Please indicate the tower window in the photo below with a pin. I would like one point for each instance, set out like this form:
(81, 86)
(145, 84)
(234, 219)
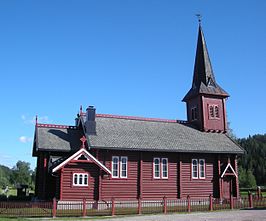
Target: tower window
(211, 110)
(194, 113)
(214, 112)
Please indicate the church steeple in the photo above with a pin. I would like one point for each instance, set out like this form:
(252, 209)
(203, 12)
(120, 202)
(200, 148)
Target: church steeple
(203, 78)
(206, 99)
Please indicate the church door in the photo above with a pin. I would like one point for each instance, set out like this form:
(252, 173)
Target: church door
(227, 187)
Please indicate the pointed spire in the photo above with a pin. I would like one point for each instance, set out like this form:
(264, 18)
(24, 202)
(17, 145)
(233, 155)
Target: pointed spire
(203, 78)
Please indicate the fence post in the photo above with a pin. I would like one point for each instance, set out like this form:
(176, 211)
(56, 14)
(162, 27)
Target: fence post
(54, 207)
(113, 206)
(139, 206)
(211, 205)
(250, 199)
(164, 205)
(84, 207)
(231, 201)
(188, 204)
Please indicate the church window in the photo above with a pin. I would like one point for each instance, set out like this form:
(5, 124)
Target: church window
(194, 168)
(194, 113)
(80, 179)
(164, 168)
(211, 111)
(156, 168)
(198, 169)
(119, 167)
(115, 163)
(201, 168)
(160, 168)
(123, 167)
(214, 112)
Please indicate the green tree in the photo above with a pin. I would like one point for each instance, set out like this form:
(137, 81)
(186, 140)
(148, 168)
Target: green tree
(4, 176)
(250, 180)
(253, 161)
(21, 173)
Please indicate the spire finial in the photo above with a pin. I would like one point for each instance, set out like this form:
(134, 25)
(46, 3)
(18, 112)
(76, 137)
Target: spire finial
(36, 119)
(199, 16)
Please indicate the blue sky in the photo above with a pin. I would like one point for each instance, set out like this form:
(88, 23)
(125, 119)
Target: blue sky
(125, 57)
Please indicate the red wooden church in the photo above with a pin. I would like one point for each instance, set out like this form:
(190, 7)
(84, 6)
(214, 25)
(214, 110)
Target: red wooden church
(105, 156)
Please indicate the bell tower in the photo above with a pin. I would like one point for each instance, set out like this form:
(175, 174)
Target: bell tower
(205, 100)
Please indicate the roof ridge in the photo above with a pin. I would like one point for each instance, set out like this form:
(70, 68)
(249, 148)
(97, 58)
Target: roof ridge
(140, 118)
(56, 126)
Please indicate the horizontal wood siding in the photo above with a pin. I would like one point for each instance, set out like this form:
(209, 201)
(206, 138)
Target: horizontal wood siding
(158, 188)
(70, 192)
(120, 188)
(197, 188)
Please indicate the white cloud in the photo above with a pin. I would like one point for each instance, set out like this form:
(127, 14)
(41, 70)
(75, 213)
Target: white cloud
(24, 139)
(32, 120)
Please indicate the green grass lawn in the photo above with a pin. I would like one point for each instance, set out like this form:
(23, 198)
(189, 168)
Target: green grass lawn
(245, 193)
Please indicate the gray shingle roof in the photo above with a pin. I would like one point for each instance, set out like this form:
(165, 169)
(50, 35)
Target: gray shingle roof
(117, 133)
(136, 134)
(58, 139)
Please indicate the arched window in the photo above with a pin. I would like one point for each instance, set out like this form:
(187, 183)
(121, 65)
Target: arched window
(201, 168)
(194, 168)
(216, 111)
(156, 168)
(115, 163)
(164, 168)
(211, 111)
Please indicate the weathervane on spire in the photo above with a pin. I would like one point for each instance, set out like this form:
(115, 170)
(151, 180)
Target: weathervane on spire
(199, 16)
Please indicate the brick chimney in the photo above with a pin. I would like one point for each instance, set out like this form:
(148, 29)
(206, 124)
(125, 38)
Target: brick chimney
(90, 123)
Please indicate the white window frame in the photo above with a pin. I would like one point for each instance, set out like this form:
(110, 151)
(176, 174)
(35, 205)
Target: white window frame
(82, 183)
(200, 169)
(162, 169)
(154, 172)
(115, 157)
(121, 166)
(192, 169)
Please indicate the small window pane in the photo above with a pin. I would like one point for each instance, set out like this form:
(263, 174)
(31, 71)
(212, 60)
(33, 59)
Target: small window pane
(123, 167)
(80, 179)
(194, 168)
(216, 111)
(85, 179)
(202, 168)
(115, 161)
(156, 168)
(164, 168)
(75, 179)
(211, 111)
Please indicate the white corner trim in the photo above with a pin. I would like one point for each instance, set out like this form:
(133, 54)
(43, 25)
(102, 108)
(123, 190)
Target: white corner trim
(77, 154)
(228, 165)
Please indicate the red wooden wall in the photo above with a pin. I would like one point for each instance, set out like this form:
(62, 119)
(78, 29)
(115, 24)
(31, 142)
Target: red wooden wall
(70, 192)
(139, 181)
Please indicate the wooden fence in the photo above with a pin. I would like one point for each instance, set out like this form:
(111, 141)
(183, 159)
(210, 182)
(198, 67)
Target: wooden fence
(115, 207)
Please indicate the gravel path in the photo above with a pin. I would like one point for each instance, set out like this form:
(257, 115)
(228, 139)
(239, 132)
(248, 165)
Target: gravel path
(237, 215)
